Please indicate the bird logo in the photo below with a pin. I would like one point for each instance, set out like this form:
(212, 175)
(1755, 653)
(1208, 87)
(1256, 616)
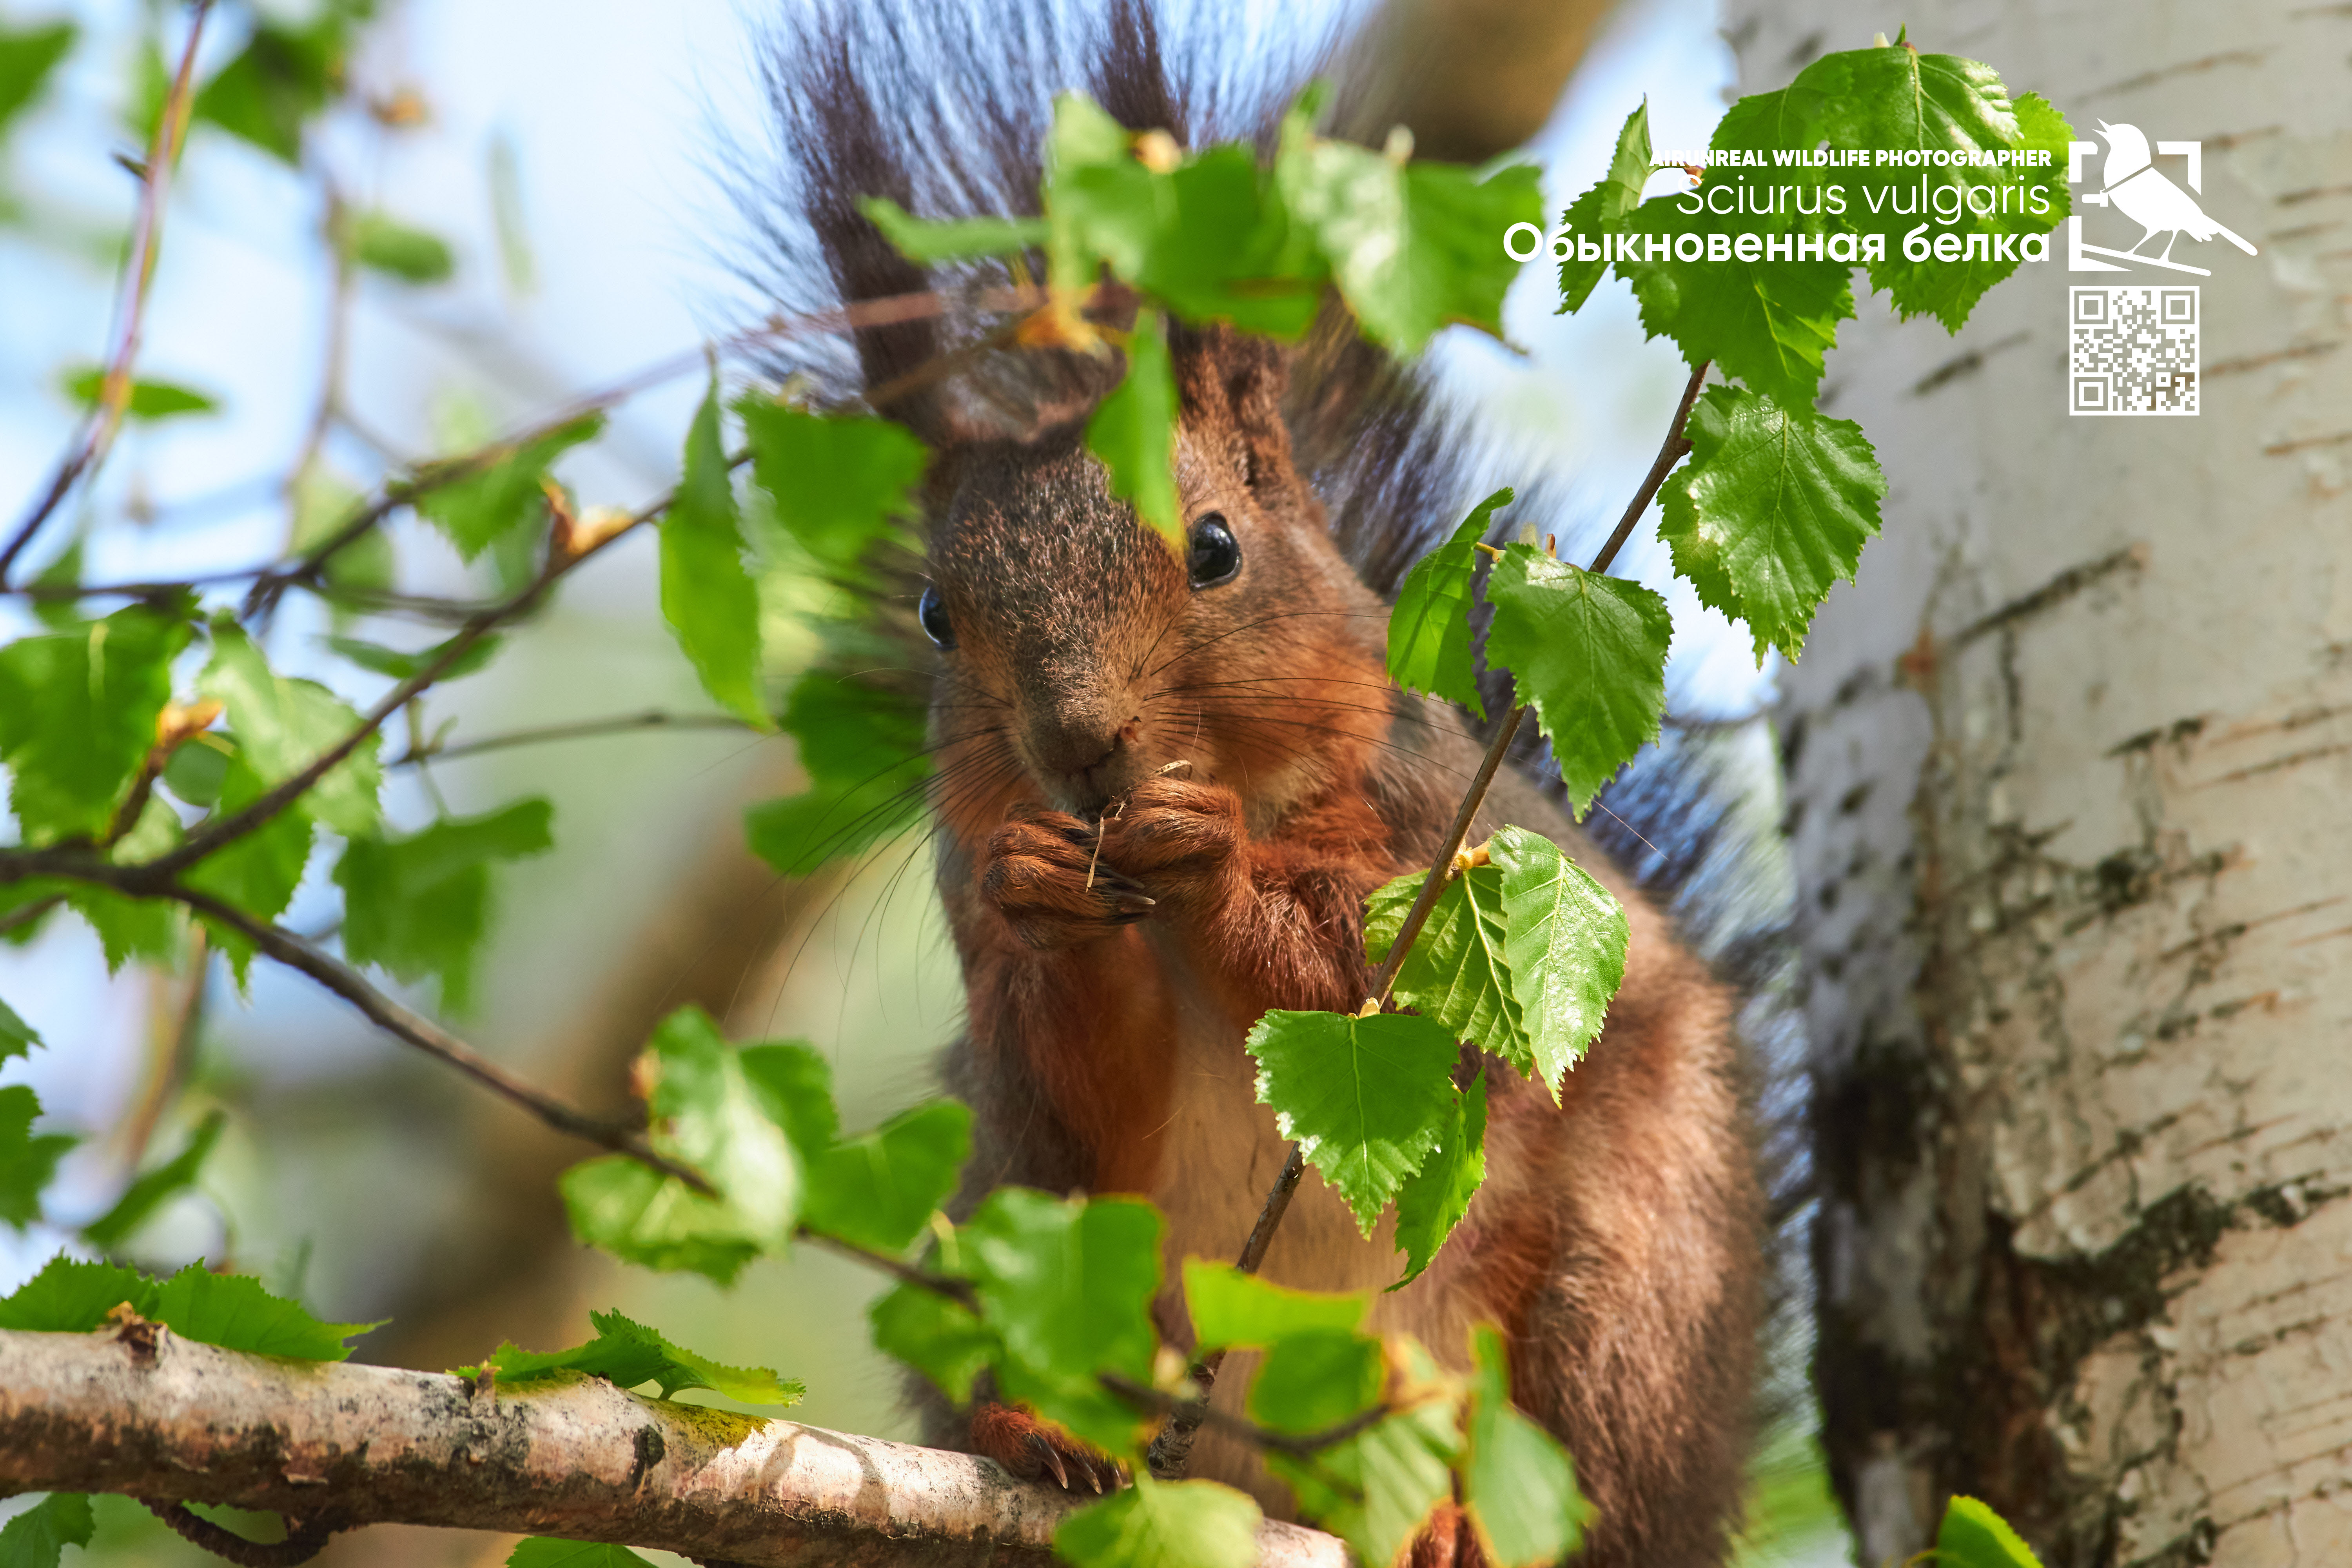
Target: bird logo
(2135, 187)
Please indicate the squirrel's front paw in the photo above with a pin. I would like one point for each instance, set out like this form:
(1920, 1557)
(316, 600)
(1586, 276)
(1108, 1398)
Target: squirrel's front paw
(1176, 838)
(1034, 1450)
(1044, 872)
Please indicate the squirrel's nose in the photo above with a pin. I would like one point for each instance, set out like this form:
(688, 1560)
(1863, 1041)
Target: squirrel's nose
(1067, 746)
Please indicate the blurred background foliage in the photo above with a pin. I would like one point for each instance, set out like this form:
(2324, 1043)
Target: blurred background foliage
(401, 226)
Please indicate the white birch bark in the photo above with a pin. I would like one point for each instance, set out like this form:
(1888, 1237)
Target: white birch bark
(2071, 770)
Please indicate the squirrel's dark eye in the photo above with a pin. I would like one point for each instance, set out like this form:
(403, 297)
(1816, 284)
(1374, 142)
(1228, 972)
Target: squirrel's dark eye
(1215, 553)
(933, 612)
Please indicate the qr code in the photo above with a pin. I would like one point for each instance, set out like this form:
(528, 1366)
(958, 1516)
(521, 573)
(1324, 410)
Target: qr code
(2132, 351)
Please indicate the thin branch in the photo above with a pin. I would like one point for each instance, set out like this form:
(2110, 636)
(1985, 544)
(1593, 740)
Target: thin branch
(139, 276)
(956, 1290)
(1171, 1450)
(429, 1038)
(1159, 1402)
(1676, 447)
(651, 718)
(575, 1457)
(208, 840)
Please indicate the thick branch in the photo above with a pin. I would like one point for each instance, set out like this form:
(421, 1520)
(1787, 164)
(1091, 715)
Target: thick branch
(582, 1459)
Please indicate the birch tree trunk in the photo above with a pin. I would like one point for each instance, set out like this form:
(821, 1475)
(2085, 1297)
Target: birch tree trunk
(2070, 774)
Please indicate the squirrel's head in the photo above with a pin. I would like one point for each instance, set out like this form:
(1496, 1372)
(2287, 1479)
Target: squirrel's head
(1081, 653)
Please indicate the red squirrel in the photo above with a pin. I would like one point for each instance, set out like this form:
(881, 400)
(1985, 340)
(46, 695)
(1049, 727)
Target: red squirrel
(1164, 785)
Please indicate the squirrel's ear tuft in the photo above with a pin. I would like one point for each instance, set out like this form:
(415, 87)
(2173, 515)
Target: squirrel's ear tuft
(1232, 387)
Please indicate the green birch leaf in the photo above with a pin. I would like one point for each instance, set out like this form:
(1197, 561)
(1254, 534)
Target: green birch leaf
(38, 1537)
(1456, 973)
(706, 594)
(283, 725)
(1589, 654)
(1312, 1381)
(78, 718)
(71, 1297)
(839, 484)
(1566, 937)
(1773, 508)
(479, 498)
(1766, 321)
(880, 1190)
(16, 1036)
(866, 755)
(1209, 236)
(198, 770)
(1973, 1536)
(260, 872)
(156, 1187)
(1230, 1308)
(1068, 1286)
(27, 55)
(1366, 1098)
(235, 1313)
(402, 666)
(1398, 1471)
(1517, 1484)
(1602, 210)
(1434, 1200)
(928, 241)
(283, 76)
(28, 1161)
(938, 1338)
(149, 399)
(792, 1084)
(627, 1354)
(419, 905)
(547, 1552)
(1162, 1524)
(709, 1114)
(381, 243)
(128, 928)
(1901, 100)
(1133, 431)
(1429, 629)
(1415, 246)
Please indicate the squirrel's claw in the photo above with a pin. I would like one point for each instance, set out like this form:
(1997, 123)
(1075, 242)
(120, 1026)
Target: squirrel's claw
(1051, 1457)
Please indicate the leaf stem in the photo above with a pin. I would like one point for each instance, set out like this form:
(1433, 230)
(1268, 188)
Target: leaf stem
(139, 276)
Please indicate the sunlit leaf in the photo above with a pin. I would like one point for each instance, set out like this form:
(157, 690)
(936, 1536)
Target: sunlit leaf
(1366, 1098)
(233, 1312)
(78, 716)
(1602, 208)
(1565, 937)
(838, 483)
(420, 903)
(1396, 1471)
(927, 241)
(38, 1537)
(706, 594)
(1589, 654)
(1433, 1199)
(880, 1189)
(149, 399)
(1973, 1536)
(1456, 973)
(1429, 629)
(707, 1113)
(1517, 1484)
(283, 725)
(1230, 1308)
(546, 1551)
(381, 243)
(941, 1339)
(28, 1161)
(1133, 431)
(628, 1354)
(1313, 1382)
(478, 502)
(1773, 508)
(1162, 1524)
